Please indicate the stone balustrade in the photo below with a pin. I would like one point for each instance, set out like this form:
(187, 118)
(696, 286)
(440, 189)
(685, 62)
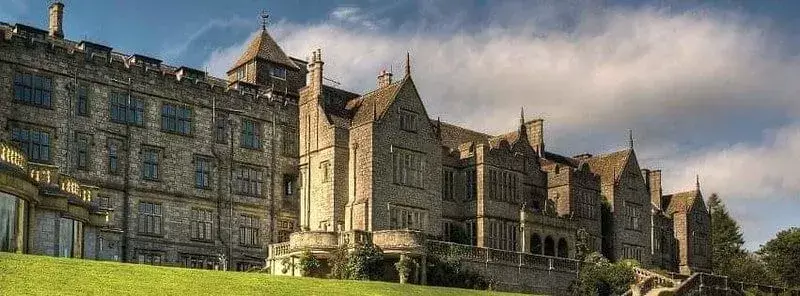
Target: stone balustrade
(313, 240)
(12, 156)
(279, 249)
(399, 240)
(488, 255)
(43, 173)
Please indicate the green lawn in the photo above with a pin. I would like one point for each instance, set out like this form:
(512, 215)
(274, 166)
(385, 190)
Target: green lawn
(41, 275)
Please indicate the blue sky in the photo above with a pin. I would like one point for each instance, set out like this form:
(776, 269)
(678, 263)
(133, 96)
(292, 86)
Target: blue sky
(709, 88)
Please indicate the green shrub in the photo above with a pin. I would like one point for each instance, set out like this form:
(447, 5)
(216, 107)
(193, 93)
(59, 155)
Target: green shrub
(600, 277)
(449, 272)
(362, 263)
(309, 265)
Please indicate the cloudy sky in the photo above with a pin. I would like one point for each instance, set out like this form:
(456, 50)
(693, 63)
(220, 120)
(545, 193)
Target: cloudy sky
(708, 89)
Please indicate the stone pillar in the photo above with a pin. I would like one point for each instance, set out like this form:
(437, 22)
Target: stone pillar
(424, 264)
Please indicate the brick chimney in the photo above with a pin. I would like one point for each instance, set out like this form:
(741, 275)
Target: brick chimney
(384, 78)
(56, 19)
(653, 179)
(535, 129)
(314, 76)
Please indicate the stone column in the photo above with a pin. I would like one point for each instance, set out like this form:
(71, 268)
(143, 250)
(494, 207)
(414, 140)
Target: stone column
(424, 264)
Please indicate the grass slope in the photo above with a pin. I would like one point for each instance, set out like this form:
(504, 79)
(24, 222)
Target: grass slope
(41, 275)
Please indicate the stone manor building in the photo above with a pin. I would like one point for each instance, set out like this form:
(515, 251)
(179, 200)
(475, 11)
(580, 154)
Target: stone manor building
(118, 156)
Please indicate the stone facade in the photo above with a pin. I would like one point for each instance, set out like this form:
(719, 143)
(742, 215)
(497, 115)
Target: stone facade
(188, 167)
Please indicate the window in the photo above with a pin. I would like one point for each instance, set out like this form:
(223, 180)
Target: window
(202, 224)
(472, 232)
(126, 110)
(285, 228)
(326, 171)
(221, 130)
(199, 261)
(407, 168)
(248, 230)
(278, 72)
(104, 202)
(202, 172)
(471, 185)
(150, 258)
(70, 238)
(407, 218)
(82, 149)
(150, 158)
(9, 218)
(633, 216)
(34, 143)
(448, 187)
(114, 146)
(288, 185)
(408, 121)
(251, 134)
(150, 218)
(82, 106)
(33, 89)
(248, 181)
(289, 142)
(176, 119)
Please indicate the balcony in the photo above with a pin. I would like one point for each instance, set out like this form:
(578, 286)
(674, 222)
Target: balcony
(399, 241)
(11, 156)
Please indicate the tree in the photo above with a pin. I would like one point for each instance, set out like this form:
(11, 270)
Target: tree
(748, 268)
(600, 277)
(726, 236)
(782, 256)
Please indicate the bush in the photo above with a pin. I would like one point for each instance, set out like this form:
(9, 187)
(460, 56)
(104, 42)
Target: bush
(362, 263)
(449, 272)
(309, 265)
(600, 277)
(404, 266)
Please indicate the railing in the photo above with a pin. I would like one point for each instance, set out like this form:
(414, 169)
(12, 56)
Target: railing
(488, 255)
(43, 173)
(279, 249)
(11, 155)
(660, 280)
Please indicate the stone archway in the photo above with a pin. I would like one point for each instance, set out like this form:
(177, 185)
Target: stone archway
(549, 246)
(536, 244)
(563, 248)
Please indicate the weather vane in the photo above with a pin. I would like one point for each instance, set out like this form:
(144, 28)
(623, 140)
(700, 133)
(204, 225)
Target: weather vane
(264, 19)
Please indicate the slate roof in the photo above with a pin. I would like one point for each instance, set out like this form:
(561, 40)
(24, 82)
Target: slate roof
(264, 47)
(453, 136)
(374, 104)
(550, 157)
(680, 202)
(609, 166)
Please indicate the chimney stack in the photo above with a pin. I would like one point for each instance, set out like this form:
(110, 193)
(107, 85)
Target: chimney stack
(56, 19)
(384, 78)
(535, 131)
(314, 76)
(653, 179)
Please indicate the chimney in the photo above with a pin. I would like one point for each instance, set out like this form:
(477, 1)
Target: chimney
(535, 130)
(314, 76)
(384, 78)
(653, 179)
(56, 19)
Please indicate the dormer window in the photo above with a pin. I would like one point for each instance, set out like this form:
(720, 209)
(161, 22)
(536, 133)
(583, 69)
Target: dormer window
(278, 72)
(408, 121)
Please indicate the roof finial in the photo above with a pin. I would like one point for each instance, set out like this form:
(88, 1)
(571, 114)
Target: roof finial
(408, 64)
(697, 181)
(264, 19)
(521, 115)
(630, 138)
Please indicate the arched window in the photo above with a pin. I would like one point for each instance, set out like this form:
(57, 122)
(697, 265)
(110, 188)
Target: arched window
(549, 246)
(563, 249)
(536, 244)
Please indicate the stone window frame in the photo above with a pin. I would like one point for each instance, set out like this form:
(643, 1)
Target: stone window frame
(151, 162)
(327, 173)
(83, 100)
(272, 72)
(221, 128)
(177, 119)
(290, 142)
(150, 257)
(471, 184)
(249, 230)
(45, 90)
(114, 162)
(150, 214)
(125, 108)
(408, 120)
(83, 151)
(43, 148)
(203, 171)
(448, 185)
(105, 202)
(251, 183)
(408, 167)
(251, 134)
(289, 185)
(407, 217)
(202, 224)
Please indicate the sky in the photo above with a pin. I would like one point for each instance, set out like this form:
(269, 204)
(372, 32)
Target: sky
(708, 88)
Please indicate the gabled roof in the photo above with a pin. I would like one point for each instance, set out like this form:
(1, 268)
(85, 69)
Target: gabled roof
(681, 202)
(609, 166)
(264, 47)
(453, 136)
(374, 104)
(550, 157)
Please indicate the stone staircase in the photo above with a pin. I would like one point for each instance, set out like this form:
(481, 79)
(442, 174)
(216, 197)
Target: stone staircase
(649, 283)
